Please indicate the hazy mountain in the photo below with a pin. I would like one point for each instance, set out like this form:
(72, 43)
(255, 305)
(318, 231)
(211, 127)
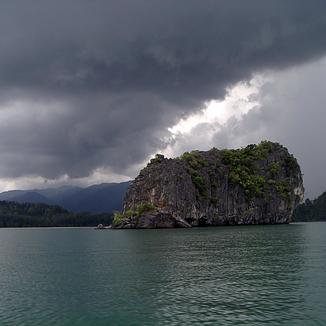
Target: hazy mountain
(31, 197)
(100, 198)
(54, 193)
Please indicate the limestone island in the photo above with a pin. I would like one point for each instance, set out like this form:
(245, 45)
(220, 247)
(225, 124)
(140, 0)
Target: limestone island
(258, 184)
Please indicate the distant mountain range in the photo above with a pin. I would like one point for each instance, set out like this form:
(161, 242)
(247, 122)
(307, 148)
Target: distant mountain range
(100, 198)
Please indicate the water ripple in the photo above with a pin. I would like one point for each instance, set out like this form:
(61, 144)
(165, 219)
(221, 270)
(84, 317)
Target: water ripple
(267, 275)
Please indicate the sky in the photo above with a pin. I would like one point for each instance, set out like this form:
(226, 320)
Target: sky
(90, 90)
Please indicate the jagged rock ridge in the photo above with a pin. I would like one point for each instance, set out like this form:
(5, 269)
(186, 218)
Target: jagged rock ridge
(258, 184)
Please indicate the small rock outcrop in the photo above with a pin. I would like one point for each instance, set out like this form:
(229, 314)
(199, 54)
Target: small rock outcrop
(258, 184)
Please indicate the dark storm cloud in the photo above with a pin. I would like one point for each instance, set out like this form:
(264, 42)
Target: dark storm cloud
(87, 84)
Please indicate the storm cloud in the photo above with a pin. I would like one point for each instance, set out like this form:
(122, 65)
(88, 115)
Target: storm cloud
(292, 111)
(95, 84)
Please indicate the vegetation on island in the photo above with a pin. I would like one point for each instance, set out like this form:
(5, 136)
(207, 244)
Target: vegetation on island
(244, 166)
(157, 159)
(137, 212)
(195, 163)
(13, 214)
(244, 169)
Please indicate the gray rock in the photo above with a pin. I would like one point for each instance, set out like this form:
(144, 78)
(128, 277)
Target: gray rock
(259, 184)
(152, 220)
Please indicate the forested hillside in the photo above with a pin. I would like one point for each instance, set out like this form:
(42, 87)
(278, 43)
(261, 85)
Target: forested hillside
(311, 210)
(14, 214)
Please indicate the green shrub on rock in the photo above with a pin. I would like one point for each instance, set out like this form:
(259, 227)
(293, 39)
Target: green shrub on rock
(243, 169)
(196, 162)
(144, 208)
(137, 212)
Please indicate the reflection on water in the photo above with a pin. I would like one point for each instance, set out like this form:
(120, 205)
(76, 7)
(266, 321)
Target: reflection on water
(251, 275)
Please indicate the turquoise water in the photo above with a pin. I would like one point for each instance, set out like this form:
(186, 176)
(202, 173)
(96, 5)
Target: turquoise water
(255, 275)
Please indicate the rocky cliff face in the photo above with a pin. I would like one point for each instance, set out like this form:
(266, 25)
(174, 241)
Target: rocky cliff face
(259, 184)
